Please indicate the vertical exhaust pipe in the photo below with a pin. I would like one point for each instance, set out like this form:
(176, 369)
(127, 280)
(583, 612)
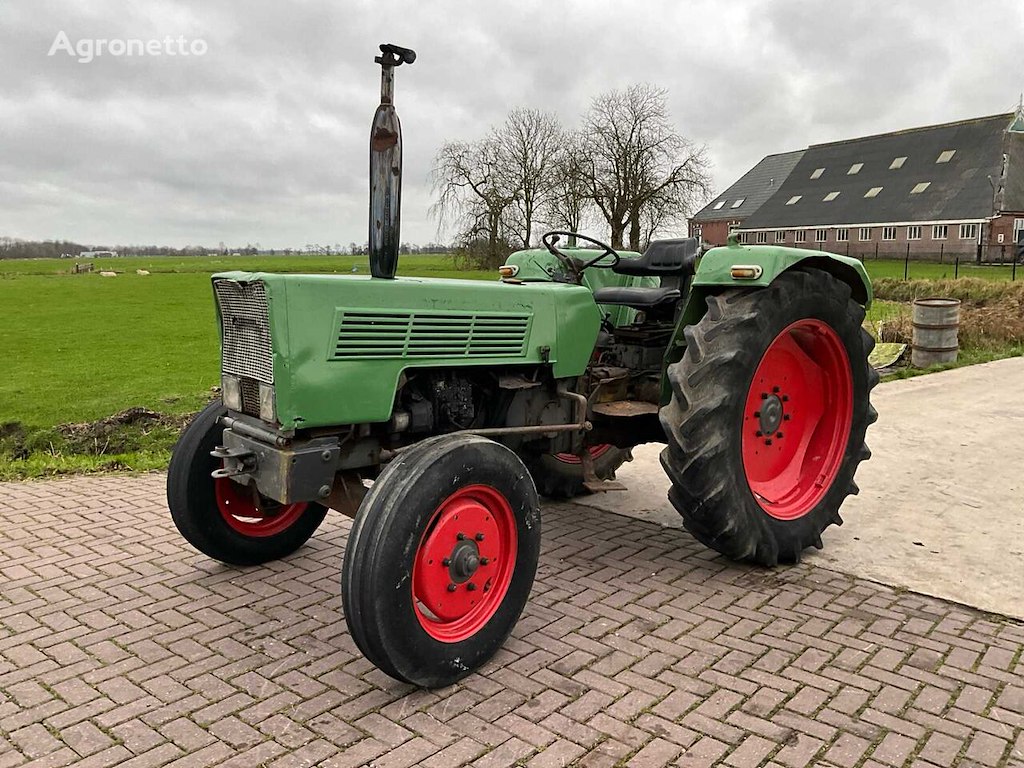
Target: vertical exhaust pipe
(386, 167)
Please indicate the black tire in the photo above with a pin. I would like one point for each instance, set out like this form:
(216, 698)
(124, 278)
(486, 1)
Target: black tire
(192, 499)
(397, 521)
(704, 422)
(558, 479)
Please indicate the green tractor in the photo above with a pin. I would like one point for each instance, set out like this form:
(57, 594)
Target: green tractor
(434, 411)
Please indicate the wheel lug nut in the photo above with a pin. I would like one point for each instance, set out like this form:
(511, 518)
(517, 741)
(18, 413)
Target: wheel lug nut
(759, 433)
(768, 441)
(785, 398)
(485, 560)
(785, 417)
(764, 395)
(757, 414)
(776, 390)
(452, 587)
(778, 435)
(471, 587)
(446, 562)
(460, 536)
(479, 537)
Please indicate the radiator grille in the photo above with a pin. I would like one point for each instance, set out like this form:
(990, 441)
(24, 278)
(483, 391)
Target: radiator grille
(245, 330)
(370, 333)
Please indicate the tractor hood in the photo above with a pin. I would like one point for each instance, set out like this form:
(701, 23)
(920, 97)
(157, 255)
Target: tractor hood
(329, 349)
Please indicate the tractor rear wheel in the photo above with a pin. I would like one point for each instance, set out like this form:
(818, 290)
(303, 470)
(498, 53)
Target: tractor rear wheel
(441, 559)
(229, 522)
(560, 475)
(770, 404)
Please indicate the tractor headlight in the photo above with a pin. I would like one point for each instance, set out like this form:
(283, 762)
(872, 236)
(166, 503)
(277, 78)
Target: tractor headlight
(268, 409)
(231, 392)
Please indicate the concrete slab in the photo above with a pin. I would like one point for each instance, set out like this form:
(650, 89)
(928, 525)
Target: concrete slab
(941, 509)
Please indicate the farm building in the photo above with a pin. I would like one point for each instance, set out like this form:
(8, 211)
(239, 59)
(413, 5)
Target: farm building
(950, 190)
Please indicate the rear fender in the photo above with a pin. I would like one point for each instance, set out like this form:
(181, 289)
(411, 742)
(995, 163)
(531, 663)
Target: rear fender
(714, 274)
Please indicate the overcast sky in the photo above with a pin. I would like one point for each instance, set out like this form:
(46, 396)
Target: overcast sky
(263, 138)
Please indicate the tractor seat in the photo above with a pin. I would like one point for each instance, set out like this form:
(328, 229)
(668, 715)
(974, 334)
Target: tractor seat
(637, 298)
(663, 258)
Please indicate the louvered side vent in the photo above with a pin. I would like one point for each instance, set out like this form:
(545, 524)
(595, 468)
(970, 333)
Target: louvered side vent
(246, 350)
(368, 333)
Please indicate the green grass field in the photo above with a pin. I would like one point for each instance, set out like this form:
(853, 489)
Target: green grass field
(82, 347)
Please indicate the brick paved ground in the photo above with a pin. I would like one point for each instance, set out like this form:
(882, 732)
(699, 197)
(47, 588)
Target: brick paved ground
(121, 646)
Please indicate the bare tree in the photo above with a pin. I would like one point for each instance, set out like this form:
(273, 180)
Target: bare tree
(569, 203)
(640, 173)
(530, 142)
(475, 192)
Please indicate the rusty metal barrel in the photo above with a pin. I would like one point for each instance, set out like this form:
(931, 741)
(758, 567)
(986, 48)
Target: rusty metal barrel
(936, 323)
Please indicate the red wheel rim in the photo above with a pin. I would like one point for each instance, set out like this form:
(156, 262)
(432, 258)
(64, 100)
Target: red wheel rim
(471, 539)
(796, 419)
(596, 451)
(240, 509)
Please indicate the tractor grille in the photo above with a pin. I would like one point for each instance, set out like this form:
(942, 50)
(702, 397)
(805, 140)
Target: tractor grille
(368, 333)
(245, 331)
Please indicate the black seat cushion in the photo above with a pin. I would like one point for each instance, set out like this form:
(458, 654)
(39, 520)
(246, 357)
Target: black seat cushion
(663, 258)
(637, 298)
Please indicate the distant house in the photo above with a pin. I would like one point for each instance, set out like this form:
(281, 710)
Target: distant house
(731, 209)
(955, 189)
(97, 254)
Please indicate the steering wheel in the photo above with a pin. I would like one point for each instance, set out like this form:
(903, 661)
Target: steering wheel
(550, 240)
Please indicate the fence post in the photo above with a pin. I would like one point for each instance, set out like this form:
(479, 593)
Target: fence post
(1013, 271)
(942, 250)
(956, 269)
(906, 264)
(876, 251)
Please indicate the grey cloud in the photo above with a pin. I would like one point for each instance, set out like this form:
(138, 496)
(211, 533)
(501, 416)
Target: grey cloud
(264, 137)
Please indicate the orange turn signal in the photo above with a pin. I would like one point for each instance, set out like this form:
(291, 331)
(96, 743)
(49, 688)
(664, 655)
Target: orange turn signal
(508, 270)
(746, 271)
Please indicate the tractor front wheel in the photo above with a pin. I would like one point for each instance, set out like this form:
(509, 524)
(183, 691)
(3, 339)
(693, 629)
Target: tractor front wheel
(560, 475)
(769, 409)
(229, 522)
(441, 559)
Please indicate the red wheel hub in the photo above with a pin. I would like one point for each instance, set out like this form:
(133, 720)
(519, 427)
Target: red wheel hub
(249, 513)
(596, 451)
(464, 563)
(796, 419)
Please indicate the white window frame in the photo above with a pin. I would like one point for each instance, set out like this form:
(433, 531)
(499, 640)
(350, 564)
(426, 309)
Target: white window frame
(780, 236)
(914, 232)
(940, 231)
(968, 231)
(865, 234)
(821, 235)
(842, 235)
(800, 236)
(888, 233)
(762, 238)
